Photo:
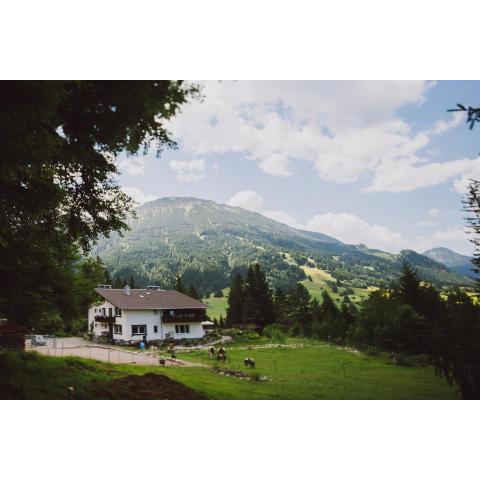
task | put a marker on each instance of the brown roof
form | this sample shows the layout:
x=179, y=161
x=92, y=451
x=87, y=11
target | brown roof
x=8, y=327
x=142, y=299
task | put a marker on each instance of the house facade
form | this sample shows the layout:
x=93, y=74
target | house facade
x=132, y=315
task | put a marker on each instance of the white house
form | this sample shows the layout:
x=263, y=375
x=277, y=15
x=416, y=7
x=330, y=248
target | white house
x=152, y=314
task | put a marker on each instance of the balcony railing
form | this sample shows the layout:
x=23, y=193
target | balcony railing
x=104, y=319
x=184, y=316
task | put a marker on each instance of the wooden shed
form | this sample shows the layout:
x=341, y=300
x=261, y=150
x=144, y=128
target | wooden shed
x=12, y=335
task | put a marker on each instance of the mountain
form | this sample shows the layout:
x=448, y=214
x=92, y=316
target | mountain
x=206, y=243
x=453, y=260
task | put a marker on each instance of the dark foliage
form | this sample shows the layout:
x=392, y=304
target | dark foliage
x=57, y=182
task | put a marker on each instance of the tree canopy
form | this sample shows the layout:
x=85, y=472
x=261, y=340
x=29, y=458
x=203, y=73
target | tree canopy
x=58, y=188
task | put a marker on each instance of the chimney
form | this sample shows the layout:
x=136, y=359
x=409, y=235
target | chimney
x=126, y=290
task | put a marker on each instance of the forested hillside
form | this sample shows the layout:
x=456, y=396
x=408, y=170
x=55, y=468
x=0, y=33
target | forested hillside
x=205, y=243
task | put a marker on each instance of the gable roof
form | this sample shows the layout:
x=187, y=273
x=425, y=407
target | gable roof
x=142, y=299
x=9, y=327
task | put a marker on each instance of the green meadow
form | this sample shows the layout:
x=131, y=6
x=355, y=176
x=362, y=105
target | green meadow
x=217, y=307
x=294, y=370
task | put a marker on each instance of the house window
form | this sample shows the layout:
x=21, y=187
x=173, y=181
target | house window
x=117, y=329
x=118, y=312
x=110, y=312
x=182, y=328
x=103, y=311
x=155, y=329
x=139, y=329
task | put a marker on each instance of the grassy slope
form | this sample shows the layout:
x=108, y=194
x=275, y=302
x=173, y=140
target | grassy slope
x=308, y=371
x=314, y=371
x=319, y=283
x=217, y=306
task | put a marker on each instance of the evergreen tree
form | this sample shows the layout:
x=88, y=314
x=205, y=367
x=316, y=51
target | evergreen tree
x=131, y=282
x=107, y=280
x=332, y=326
x=118, y=282
x=235, y=300
x=281, y=307
x=218, y=293
x=408, y=288
x=258, y=298
x=472, y=208
x=299, y=315
x=179, y=287
x=193, y=293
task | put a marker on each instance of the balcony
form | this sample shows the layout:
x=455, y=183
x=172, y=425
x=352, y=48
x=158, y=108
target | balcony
x=104, y=319
x=186, y=316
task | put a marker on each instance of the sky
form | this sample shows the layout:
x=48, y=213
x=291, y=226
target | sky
x=379, y=163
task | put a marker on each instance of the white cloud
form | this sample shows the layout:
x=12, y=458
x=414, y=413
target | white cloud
x=282, y=217
x=350, y=228
x=192, y=171
x=426, y=223
x=132, y=165
x=346, y=130
x=137, y=195
x=402, y=176
x=250, y=200
x=456, y=238
x=442, y=126
x=471, y=173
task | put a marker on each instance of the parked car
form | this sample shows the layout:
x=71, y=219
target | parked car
x=38, y=341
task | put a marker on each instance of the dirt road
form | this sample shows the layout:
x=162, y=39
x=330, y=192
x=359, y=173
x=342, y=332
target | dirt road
x=78, y=347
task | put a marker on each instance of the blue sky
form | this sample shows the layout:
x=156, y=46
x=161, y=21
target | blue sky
x=380, y=163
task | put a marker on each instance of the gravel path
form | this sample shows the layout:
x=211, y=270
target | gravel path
x=78, y=347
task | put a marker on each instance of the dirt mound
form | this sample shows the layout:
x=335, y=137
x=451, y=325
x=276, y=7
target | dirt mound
x=150, y=386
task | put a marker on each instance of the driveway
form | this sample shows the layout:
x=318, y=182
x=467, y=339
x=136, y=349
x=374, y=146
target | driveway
x=78, y=347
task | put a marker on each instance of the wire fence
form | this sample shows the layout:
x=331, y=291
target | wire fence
x=52, y=346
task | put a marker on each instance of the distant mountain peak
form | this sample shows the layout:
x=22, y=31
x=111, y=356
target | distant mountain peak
x=453, y=260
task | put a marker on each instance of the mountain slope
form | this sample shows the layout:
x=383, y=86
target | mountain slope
x=453, y=260
x=206, y=242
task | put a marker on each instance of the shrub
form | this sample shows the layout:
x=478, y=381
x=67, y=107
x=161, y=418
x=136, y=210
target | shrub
x=274, y=332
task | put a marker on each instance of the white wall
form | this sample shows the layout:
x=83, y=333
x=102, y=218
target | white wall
x=196, y=330
x=98, y=327
x=141, y=317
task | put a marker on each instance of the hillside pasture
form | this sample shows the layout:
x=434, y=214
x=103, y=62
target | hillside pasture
x=294, y=370
x=310, y=370
x=320, y=283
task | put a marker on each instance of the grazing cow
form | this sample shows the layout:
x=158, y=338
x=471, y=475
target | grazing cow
x=211, y=351
x=249, y=362
x=161, y=361
x=221, y=354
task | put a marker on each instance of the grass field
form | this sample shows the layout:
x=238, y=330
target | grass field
x=312, y=370
x=217, y=306
x=319, y=284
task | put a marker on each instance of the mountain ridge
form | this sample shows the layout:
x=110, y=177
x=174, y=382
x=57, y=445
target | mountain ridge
x=455, y=261
x=206, y=242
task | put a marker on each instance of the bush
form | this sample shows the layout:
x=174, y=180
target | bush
x=79, y=327
x=274, y=332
